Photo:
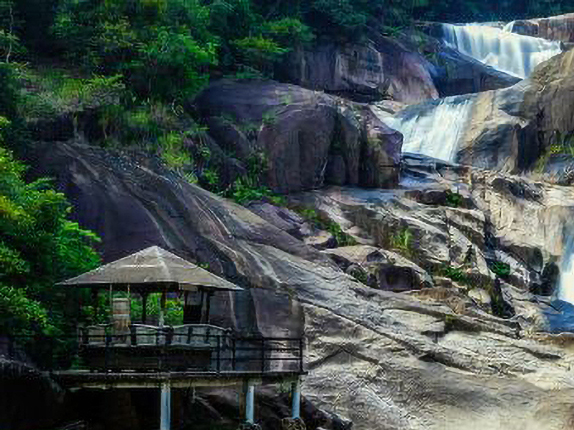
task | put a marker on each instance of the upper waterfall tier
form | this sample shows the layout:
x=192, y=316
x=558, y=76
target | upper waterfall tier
x=506, y=51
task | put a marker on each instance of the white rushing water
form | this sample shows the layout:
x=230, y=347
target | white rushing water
x=437, y=131
x=508, y=52
x=566, y=284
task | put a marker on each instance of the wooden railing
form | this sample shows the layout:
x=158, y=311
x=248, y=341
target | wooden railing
x=197, y=348
x=141, y=334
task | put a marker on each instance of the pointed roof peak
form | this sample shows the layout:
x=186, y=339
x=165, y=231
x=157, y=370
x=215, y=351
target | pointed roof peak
x=151, y=267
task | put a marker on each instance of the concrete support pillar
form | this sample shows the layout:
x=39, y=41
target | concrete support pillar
x=250, y=402
x=296, y=399
x=165, y=407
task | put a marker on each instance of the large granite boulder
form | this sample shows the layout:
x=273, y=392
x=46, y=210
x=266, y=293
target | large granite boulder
x=381, y=359
x=461, y=74
x=559, y=27
x=380, y=268
x=454, y=73
x=380, y=68
x=307, y=138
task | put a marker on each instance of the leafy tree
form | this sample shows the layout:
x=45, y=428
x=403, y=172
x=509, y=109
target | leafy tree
x=39, y=246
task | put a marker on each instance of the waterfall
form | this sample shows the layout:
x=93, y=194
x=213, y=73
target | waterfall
x=566, y=284
x=508, y=52
x=435, y=131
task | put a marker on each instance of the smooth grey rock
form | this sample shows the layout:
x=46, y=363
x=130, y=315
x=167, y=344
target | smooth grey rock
x=306, y=137
x=379, y=68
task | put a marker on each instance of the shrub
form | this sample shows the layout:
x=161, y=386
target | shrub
x=402, y=242
x=454, y=273
x=172, y=65
x=173, y=152
x=258, y=51
x=501, y=269
x=323, y=223
x=453, y=200
x=244, y=191
x=288, y=32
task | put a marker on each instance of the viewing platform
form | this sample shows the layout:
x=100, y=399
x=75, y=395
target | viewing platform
x=125, y=355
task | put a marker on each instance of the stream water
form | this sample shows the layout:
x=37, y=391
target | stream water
x=435, y=128
x=508, y=52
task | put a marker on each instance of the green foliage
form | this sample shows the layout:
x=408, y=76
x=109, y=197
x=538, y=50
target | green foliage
x=360, y=275
x=347, y=17
x=244, y=191
x=455, y=273
x=288, y=32
x=162, y=49
x=211, y=177
x=324, y=223
x=270, y=117
x=342, y=238
x=453, y=200
x=402, y=242
x=172, y=55
x=55, y=92
x=39, y=245
x=501, y=269
x=173, y=151
x=258, y=52
x=173, y=309
x=250, y=188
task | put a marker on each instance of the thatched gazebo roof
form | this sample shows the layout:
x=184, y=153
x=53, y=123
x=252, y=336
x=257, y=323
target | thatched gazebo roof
x=151, y=269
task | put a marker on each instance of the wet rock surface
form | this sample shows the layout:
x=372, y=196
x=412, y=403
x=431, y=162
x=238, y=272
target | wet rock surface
x=438, y=357
x=553, y=28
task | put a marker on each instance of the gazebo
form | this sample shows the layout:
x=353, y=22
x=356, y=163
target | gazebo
x=123, y=354
x=152, y=270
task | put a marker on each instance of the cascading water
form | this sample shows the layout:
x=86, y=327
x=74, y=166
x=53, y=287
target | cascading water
x=566, y=284
x=508, y=52
x=560, y=316
x=437, y=130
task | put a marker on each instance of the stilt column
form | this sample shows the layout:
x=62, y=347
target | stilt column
x=165, y=411
x=296, y=399
x=250, y=402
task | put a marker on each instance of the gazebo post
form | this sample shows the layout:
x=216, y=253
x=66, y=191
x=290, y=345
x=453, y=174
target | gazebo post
x=296, y=399
x=165, y=406
x=208, y=307
x=202, y=295
x=111, y=304
x=95, y=303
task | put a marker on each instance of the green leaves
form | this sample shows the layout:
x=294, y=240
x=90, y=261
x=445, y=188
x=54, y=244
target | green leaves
x=258, y=51
x=39, y=247
x=172, y=64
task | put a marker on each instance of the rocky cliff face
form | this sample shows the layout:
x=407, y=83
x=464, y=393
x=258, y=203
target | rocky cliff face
x=381, y=68
x=385, y=359
x=439, y=314
x=553, y=28
x=308, y=138
x=410, y=70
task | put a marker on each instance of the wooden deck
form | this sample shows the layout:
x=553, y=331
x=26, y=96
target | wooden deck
x=144, y=355
x=185, y=379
